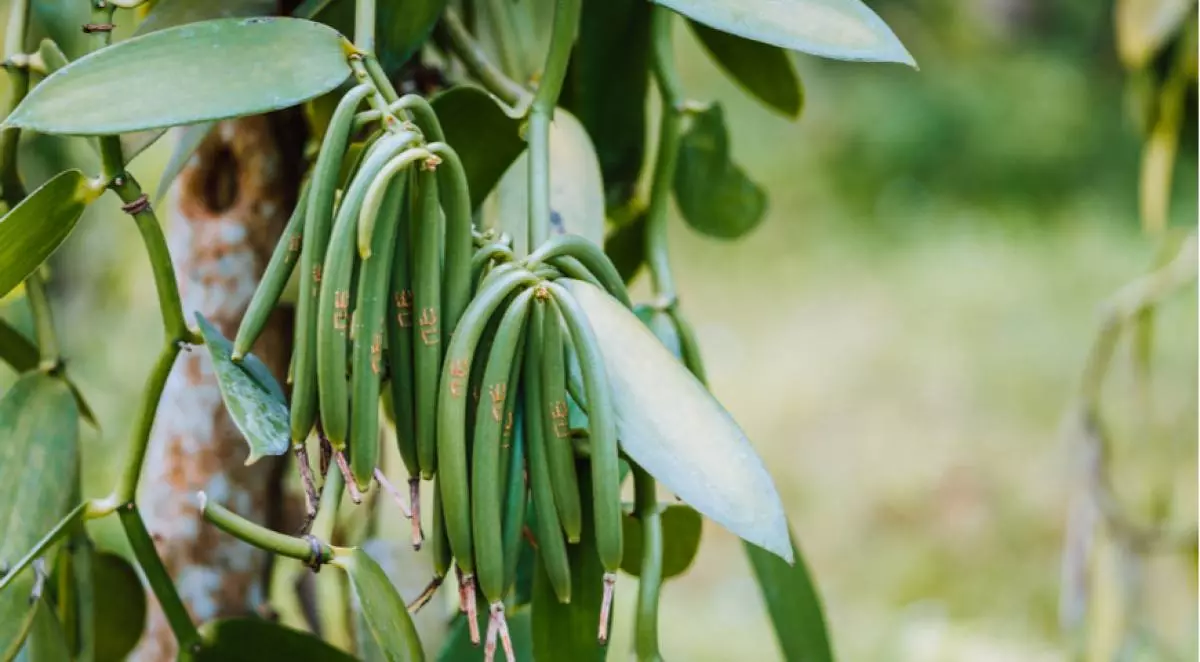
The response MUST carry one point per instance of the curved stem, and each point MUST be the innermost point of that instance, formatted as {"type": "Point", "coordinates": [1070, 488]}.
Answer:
{"type": "Point", "coordinates": [43, 321]}
{"type": "Point", "coordinates": [331, 498]}
{"type": "Point", "coordinates": [309, 550]}
{"type": "Point", "coordinates": [157, 577]}
{"type": "Point", "coordinates": [126, 490]}
{"type": "Point", "coordinates": [671, 92]}
{"type": "Point", "coordinates": [452, 31]}
{"type": "Point", "coordinates": [650, 582]}
{"type": "Point", "coordinates": [562, 37]}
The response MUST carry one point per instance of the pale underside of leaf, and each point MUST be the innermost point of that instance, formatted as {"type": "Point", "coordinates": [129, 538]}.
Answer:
{"type": "Point", "coordinates": [669, 424]}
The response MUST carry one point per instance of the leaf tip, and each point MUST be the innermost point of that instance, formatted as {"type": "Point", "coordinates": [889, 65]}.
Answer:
{"type": "Point", "coordinates": [202, 499]}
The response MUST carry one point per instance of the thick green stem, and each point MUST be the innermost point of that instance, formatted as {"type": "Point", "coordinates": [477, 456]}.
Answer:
{"type": "Point", "coordinates": [671, 92]}
{"type": "Point", "coordinates": [331, 498]}
{"type": "Point", "coordinates": [650, 581]}
{"type": "Point", "coordinates": [10, 179]}
{"type": "Point", "coordinates": [452, 31]}
{"type": "Point", "coordinates": [156, 575]}
{"type": "Point", "coordinates": [562, 38]}
{"type": "Point", "coordinates": [43, 322]}
{"type": "Point", "coordinates": [311, 550]}
{"type": "Point", "coordinates": [364, 25]}
{"type": "Point", "coordinates": [126, 490]}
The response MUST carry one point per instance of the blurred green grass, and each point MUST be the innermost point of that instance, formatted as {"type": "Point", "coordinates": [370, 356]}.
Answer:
{"type": "Point", "coordinates": [900, 338]}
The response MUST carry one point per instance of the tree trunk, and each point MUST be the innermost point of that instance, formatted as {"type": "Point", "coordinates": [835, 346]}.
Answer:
{"type": "Point", "coordinates": [226, 212]}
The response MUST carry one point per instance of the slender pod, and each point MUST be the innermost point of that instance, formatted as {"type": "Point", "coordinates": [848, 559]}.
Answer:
{"type": "Point", "coordinates": [560, 455]}
{"type": "Point", "coordinates": [423, 116]}
{"type": "Point", "coordinates": [400, 342]}
{"type": "Point", "coordinates": [573, 268]}
{"type": "Point", "coordinates": [427, 299]}
{"type": "Point", "coordinates": [516, 489]}
{"type": "Point", "coordinates": [333, 303]}
{"type": "Point", "coordinates": [487, 254]}
{"type": "Point", "coordinates": [455, 197]}
{"type": "Point", "coordinates": [551, 546]}
{"type": "Point", "coordinates": [439, 544]}
{"type": "Point", "coordinates": [689, 347]}
{"type": "Point", "coordinates": [274, 280]}
{"type": "Point", "coordinates": [589, 255]}
{"type": "Point", "coordinates": [451, 410]}
{"type": "Point", "coordinates": [646, 509]}
{"type": "Point", "coordinates": [318, 220]}
{"type": "Point", "coordinates": [376, 191]}
{"type": "Point", "coordinates": [486, 479]}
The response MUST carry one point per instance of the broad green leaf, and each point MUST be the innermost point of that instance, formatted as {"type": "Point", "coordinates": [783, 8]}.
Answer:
{"type": "Point", "coordinates": [16, 614]}
{"type": "Point", "coordinates": [838, 29]}
{"type": "Point", "coordinates": [714, 196]}
{"type": "Point", "coordinates": [486, 138]}
{"type": "Point", "coordinates": [793, 604]}
{"type": "Point", "coordinates": [569, 631]}
{"type": "Point", "coordinates": [47, 642]}
{"type": "Point", "coordinates": [662, 326]}
{"type": "Point", "coordinates": [22, 355]}
{"type": "Point", "coordinates": [681, 526]}
{"type": "Point", "coordinates": [34, 229]}
{"type": "Point", "coordinates": [255, 406]}
{"type": "Point", "coordinates": [120, 615]}
{"type": "Point", "coordinates": [669, 424]}
{"type": "Point", "coordinates": [190, 73]}
{"type": "Point", "coordinates": [1145, 27]}
{"type": "Point", "coordinates": [458, 646]}
{"type": "Point", "coordinates": [61, 21]}
{"type": "Point", "coordinates": [576, 187]}
{"type": "Point", "coordinates": [257, 640]}
{"type": "Point", "coordinates": [384, 610]}
{"type": "Point", "coordinates": [763, 70]}
{"type": "Point", "coordinates": [606, 89]}
{"type": "Point", "coordinates": [625, 245]}
{"type": "Point", "coordinates": [171, 13]}
{"type": "Point", "coordinates": [186, 144]}
{"type": "Point", "coordinates": [39, 426]}
{"type": "Point", "coordinates": [401, 25]}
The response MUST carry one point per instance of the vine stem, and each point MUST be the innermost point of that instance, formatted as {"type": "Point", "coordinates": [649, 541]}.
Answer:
{"type": "Point", "coordinates": [364, 25]}
{"type": "Point", "coordinates": [650, 581]}
{"type": "Point", "coordinates": [452, 31]}
{"type": "Point", "coordinates": [310, 549]}
{"type": "Point", "coordinates": [673, 102]}
{"type": "Point", "coordinates": [541, 112]}
{"type": "Point", "coordinates": [43, 321]}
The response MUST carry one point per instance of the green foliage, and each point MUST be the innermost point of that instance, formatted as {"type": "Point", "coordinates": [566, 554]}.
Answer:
{"type": "Point", "coordinates": [715, 197]}
{"type": "Point", "coordinates": [385, 613]}
{"type": "Point", "coordinates": [764, 71]}
{"type": "Point", "coordinates": [34, 229]}
{"type": "Point", "coordinates": [487, 137]}
{"type": "Point", "coordinates": [120, 615]}
{"type": "Point", "coordinates": [252, 639]}
{"type": "Point", "coordinates": [793, 604]}
{"type": "Point", "coordinates": [681, 527]}
{"type": "Point", "coordinates": [46, 641]}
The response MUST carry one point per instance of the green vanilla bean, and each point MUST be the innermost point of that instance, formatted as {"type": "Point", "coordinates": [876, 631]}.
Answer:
{"type": "Point", "coordinates": [310, 550]}
{"type": "Point", "coordinates": [650, 581]}
{"type": "Point", "coordinates": [671, 92]}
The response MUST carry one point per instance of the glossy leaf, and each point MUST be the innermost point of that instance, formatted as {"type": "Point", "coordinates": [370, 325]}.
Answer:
{"type": "Point", "coordinates": [47, 642]}
{"type": "Point", "coordinates": [60, 20]}
{"type": "Point", "coordinates": [793, 604]}
{"type": "Point", "coordinates": [838, 29]}
{"type": "Point", "coordinates": [257, 640]}
{"type": "Point", "coordinates": [1145, 27]}
{"type": "Point", "coordinates": [384, 610]}
{"type": "Point", "coordinates": [253, 404]}
{"type": "Point", "coordinates": [191, 73]}
{"type": "Point", "coordinates": [606, 89]}
{"type": "Point", "coordinates": [401, 25]}
{"type": "Point", "coordinates": [662, 326]}
{"type": "Point", "coordinates": [39, 426]}
{"type": "Point", "coordinates": [186, 144]}
{"type": "Point", "coordinates": [16, 614]}
{"type": "Point", "coordinates": [763, 70]}
{"type": "Point", "coordinates": [22, 355]}
{"type": "Point", "coordinates": [714, 196]}
{"type": "Point", "coordinates": [576, 187]}
{"type": "Point", "coordinates": [681, 527]}
{"type": "Point", "coordinates": [34, 229]}
{"type": "Point", "coordinates": [486, 138]}
{"type": "Point", "coordinates": [121, 613]}
{"type": "Point", "coordinates": [669, 424]}
{"type": "Point", "coordinates": [458, 646]}
{"type": "Point", "coordinates": [172, 13]}
{"type": "Point", "coordinates": [569, 631]}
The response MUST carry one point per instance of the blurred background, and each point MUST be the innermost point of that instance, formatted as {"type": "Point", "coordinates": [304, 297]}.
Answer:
{"type": "Point", "coordinates": [900, 338]}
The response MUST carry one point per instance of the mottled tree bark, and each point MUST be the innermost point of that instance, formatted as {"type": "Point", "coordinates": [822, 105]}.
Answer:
{"type": "Point", "coordinates": [225, 214]}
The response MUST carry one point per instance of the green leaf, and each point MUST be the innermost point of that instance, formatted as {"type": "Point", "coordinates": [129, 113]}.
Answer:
{"type": "Point", "coordinates": [34, 229]}
{"type": "Point", "coordinates": [121, 613]}
{"type": "Point", "coordinates": [16, 614]}
{"type": "Point", "coordinates": [793, 604]}
{"type": "Point", "coordinates": [606, 89]}
{"type": "Point", "coordinates": [576, 187]}
{"type": "Point", "coordinates": [189, 140]}
{"type": "Point", "coordinates": [61, 21]}
{"type": "Point", "coordinates": [669, 424]}
{"type": "Point", "coordinates": [458, 646]}
{"type": "Point", "coordinates": [172, 13]}
{"type": "Point", "coordinates": [402, 26]}
{"type": "Point", "coordinates": [16, 350]}
{"type": "Point", "coordinates": [190, 73]}
{"type": "Point", "coordinates": [569, 631]}
{"type": "Point", "coordinates": [384, 610]}
{"type": "Point", "coordinates": [486, 138]}
{"type": "Point", "coordinates": [681, 526]}
{"type": "Point", "coordinates": [762, 70]}
{"type": "Point", "coordinates": [1145, 27]}
{"type": "Point", "coordinates": [47, 642]}
{"type": "Point", "coordinates": [253, 403]}
{"type": "Point", "coordinates": [39, 426]}
{"type": "Point", "coordinates": [838, 29]}
{"type": "Point", "coordinates": [662, 326]}
{"type": "Point", "coordinates": [625, 245]}
{"type": "Point", "coordinates": [257, 640]}
{"type": "Point", "coordinates": [714, 196]}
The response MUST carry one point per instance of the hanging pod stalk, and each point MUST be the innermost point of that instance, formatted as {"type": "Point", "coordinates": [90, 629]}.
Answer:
{"type": "Point", "coordinates": [589, 255]}
{"type": "Point", "coordinates": [455, 197]}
